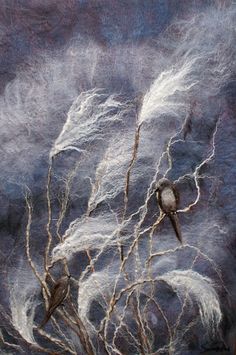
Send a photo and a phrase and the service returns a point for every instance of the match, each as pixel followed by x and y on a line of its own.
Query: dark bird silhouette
pixel 168 200
pixel 58 294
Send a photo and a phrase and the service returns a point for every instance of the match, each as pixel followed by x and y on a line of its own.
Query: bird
pixel 59 293
pixel 168 200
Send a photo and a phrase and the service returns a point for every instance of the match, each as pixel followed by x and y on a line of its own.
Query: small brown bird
pixel 58 294
pixel 168 200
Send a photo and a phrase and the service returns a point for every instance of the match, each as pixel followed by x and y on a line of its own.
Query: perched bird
pixel 168 200
pixel 58 294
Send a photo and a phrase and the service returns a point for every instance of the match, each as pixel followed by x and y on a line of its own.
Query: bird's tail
pixel 46 319
pixel 175 223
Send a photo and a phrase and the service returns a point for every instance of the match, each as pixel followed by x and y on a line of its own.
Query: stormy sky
pixel 98 101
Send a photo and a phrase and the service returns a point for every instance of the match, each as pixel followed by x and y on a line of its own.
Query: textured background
pixel 78 79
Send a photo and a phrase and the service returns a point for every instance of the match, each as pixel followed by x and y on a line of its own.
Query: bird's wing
pixel 159 200
pixel 58 293
pixel 177 196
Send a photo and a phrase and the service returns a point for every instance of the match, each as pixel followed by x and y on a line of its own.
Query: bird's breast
pixel 168 200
